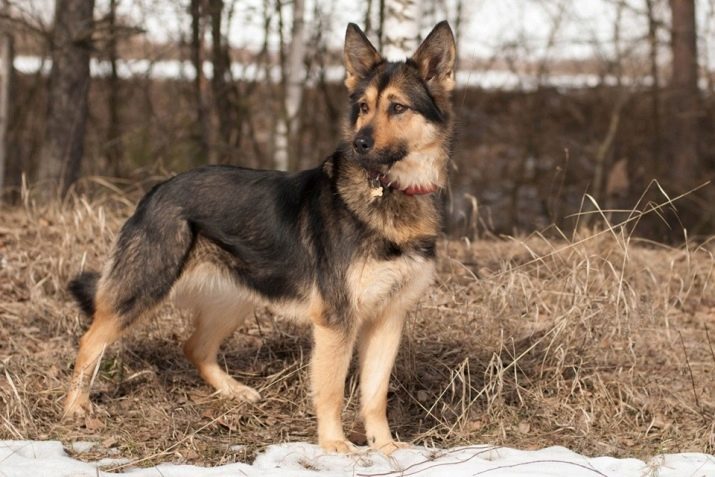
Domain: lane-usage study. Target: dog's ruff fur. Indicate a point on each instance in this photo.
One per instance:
(348, 245)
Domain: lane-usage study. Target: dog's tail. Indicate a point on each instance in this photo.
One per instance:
(83, 288)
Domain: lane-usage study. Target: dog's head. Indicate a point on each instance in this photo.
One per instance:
(400, 121)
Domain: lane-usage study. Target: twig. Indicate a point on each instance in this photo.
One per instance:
(690, 371)
(710, 343)
(543, 461)
(404, 472)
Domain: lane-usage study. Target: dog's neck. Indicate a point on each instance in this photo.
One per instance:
(401, 217)
(379, 181)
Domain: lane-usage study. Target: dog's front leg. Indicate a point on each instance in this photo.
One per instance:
(332, 351)
(379, 342)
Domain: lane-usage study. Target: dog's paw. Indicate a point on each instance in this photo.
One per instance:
(388, 447)
(341, 446)
(77, 406)
(240, 392)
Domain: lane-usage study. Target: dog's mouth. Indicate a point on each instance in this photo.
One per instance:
(378, 179)
(381, 158)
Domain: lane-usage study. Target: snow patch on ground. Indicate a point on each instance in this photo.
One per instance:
(48, 458)
(82, 446)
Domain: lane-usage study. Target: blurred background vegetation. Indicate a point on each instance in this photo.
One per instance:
(567, 111)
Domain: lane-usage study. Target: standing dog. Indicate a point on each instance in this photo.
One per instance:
(350, 244)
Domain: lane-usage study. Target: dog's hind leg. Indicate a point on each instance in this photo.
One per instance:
(218, 312)
(105, 329)
(148, 259)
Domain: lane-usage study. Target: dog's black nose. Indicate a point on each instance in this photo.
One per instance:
(363, 144)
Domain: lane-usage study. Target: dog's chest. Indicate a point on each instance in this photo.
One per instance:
(374, 283)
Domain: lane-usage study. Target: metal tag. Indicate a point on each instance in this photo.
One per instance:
(375, 187)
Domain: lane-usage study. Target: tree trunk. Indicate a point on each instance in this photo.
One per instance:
(401, 29)
(224, 96)
(458, 31)
(63, 145)
(381, 25)
(6, 55)
(685, 98)
(368, 18)
(655, 84)
(201, 131)
(288, 122)
(114, 136)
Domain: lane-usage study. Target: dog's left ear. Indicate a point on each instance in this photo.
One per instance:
(436, 55)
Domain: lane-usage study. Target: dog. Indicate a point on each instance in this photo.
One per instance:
(349, 245)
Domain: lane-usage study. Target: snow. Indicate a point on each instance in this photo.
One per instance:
(48, 458)
(174, 69)
(82, 446)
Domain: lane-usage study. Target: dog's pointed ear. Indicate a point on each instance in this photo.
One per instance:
(359, 56)
(436, 56)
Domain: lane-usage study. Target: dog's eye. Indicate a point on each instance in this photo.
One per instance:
(398, 108)
(364, 108)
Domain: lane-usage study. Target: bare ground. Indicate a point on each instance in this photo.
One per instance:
(597, 342)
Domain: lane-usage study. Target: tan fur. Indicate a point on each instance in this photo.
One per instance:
(426, 162)
(379, 341)
(351, 81)
(206, 274)
(373, 283)
(380, 293)
(421, 168)
(105, 330)
(332, 351)
(370, 98)
(219, 307)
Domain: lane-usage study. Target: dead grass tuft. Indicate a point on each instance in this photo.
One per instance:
(600, 343)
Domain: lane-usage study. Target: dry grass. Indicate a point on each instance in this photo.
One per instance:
(603, 345)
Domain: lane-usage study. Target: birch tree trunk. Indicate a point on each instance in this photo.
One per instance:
(685, 97)
(401, 28)
(6, 55)
(63, 146)
(288, 122)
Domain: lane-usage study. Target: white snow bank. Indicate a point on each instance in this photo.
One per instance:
(35, 459)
